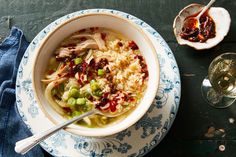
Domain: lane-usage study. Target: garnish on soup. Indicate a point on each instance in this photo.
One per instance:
(96, 67)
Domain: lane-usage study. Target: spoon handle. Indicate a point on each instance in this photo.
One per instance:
(23, 146)
(205, 8)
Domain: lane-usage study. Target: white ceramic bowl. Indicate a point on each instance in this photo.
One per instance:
(106, 20)
(220, 16)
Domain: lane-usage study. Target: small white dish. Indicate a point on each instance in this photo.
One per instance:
(220, 16)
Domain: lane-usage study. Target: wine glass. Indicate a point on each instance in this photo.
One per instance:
(219, 87)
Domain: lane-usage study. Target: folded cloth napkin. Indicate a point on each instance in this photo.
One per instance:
(12, 127)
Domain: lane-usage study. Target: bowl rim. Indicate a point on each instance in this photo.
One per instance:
(76, 131)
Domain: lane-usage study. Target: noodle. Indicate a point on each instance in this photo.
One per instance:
(96, 67)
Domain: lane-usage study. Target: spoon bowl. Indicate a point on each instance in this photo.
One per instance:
(196, 19)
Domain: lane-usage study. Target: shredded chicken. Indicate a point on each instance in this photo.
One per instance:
(77, 50)
(93, 41)
(87, 44)
(63, 52)
(61, 72)
(96, 36)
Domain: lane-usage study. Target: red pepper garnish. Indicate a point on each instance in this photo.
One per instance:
(82, 39)
(113, 105)
(103, 36)
(120, 44)
(93, 29)
(67, 109)
(133, 45)
(82, 30)
(50, 71)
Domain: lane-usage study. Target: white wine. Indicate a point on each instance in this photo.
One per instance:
(222, 75)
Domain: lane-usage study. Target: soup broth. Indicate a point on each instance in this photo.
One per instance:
(96, 67)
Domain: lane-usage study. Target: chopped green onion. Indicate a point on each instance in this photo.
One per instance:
(78, 60)
(84, 94)
(76, 113)
(71, 101)
(89, 105)
(84, 108)
(98, 93)
(94, 85)
(125, 104)
(101, 72)
(74, 92)
(61, 87)
(104, 120)
(87, 94)
(81, 101)
(54, 91)
(92, 81)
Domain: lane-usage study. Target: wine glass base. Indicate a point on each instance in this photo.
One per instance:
(212, 97)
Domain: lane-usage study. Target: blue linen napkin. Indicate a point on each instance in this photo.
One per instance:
(12, 127)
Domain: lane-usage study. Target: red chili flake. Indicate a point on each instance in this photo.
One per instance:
(143, 65)
(133, 45)
(125, 98)
(146, 74)
(72, 70)
(103, 62)
(91, 98)
(103, 102)
(82, 39)
(59, 59)
(120, 44)
(81, 67)
(105, 95)
(139, 57)
(112, 86)
(82, 30)
(67, 109)
(90, 73)
(50, 71)
(82, 77)
(93, 29)
(70, 48)
(71, 45)
(92, 64)
(103, 36)
(91, 70)
(107, 70)
(98, 107)
(113, 105)
(144, 70)
(131, 99)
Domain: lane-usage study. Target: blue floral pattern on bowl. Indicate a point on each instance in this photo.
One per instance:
(137, 140)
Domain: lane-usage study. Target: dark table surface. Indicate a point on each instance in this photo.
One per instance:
(187, 137)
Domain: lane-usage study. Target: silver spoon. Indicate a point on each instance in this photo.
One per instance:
(24, 145)
(197, 18)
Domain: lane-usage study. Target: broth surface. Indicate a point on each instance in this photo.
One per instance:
(96, 67)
